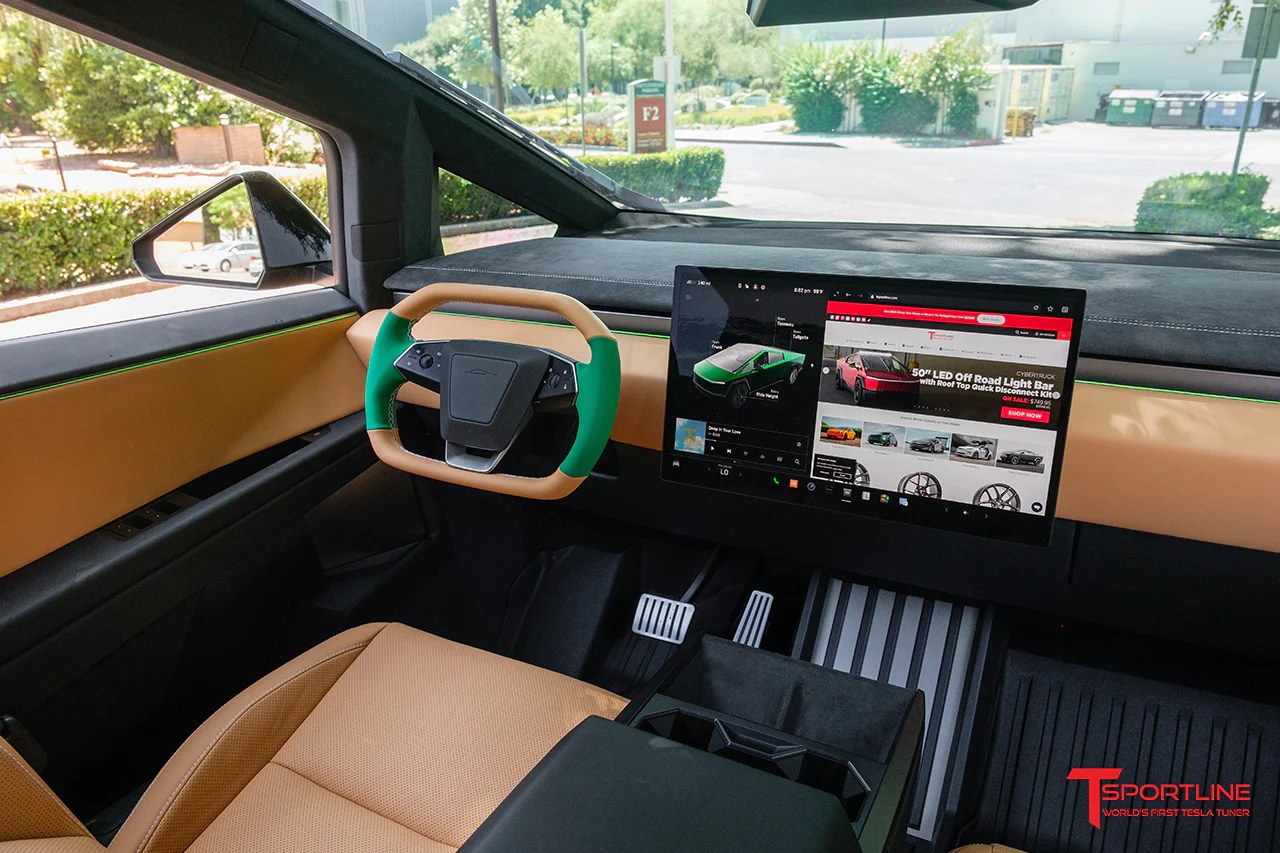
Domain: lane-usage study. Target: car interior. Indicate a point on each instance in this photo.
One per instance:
(488, 551)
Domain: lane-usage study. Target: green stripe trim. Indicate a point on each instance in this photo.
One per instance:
(1175, 391)
(1078, 381)
(546, 323)
(180, 355)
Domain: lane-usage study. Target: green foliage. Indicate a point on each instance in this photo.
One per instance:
(962, 114)
(55, 240)
(50, 241)
(26, 45)
(1208, 203)
(810, 89)
(949, 67)
(735, 116)
(888, 107)
(106, 99)
(685, 174)
(545, 61)
(456, 45)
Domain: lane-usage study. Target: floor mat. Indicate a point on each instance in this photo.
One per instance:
(1054, 716)
(914, 642)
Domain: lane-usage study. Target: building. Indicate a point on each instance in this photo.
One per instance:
(1110, 44)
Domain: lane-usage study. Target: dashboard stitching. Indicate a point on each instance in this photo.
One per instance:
(1186, 327)
(1225, 330)
(644, 281)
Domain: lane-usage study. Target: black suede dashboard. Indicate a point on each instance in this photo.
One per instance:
(1222, 313)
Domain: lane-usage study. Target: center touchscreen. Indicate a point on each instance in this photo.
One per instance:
(930, 402)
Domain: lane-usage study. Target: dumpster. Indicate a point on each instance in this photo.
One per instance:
(1178, 109)
(1226, 109)
(1271, 112)
(1131, 106)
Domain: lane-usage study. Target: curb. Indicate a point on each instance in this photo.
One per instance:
(31, 306)
(803, 143)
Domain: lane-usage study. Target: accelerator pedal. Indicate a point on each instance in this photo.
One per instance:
(662, 619)
(754, 619)
(667, 619)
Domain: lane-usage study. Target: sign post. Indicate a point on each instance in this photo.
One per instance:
(1261, 41)
(647, 108)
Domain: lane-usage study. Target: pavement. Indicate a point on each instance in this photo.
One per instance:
(1075, 175)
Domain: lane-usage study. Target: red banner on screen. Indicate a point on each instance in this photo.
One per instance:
(953, 316)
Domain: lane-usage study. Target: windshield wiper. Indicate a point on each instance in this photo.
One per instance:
(597, 180)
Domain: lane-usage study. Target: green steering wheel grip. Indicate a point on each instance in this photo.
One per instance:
(383, 380)
(599, 383)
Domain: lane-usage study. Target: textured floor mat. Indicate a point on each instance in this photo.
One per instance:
(915, 642)
(1054, 717)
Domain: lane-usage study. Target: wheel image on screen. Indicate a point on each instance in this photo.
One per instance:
(998, 496)
(861, 477)
(921, 484)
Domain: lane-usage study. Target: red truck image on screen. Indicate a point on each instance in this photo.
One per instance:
(876, 375)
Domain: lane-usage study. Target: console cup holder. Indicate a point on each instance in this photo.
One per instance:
(763, 750)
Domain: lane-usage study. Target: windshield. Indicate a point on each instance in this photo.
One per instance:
(734, 357)
(1081, 114)
(883, 363)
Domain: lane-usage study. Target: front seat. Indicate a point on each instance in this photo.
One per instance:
(381, 738)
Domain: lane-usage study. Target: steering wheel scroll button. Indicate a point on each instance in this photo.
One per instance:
(420, 364)
(559, 386)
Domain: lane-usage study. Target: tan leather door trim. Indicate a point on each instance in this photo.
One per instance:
(78, 455)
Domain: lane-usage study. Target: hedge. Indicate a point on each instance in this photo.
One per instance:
(50, 241)
(685, 174)
(1208, 203)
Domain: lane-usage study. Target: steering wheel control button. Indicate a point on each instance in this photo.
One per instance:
(420, 364)
(559, 387)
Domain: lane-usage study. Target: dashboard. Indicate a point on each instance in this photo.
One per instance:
(1164, 522)
(943, 404)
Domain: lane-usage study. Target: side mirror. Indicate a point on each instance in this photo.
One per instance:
(248, 230)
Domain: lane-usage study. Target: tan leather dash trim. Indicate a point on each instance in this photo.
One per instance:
(1177, 464)
(1162, 462)
(74, 457)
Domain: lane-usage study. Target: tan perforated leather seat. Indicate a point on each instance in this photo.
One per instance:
(383, 738)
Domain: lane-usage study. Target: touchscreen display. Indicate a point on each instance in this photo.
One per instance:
(938, 403)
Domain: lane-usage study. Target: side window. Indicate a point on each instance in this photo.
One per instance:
(472, 217)
(99, 145)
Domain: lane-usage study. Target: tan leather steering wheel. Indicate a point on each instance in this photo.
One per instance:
(492, 380)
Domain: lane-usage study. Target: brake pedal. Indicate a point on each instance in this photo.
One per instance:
(754, 619)
(661, 618)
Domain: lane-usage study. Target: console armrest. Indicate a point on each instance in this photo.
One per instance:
(611, 788)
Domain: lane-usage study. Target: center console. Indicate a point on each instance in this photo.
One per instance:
(730, 749)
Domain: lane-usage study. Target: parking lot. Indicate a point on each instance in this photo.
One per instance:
(1079, 175)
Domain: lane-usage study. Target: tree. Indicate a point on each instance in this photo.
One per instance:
(545, 57)
(456, 45)
(110, 100)
(636, 27)
(27, 46)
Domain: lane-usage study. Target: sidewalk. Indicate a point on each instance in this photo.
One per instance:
(781, 133)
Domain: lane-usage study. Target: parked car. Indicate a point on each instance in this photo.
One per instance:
(237, 254)
(933, 444)
(973, 451)
(877, 376)
(735, 371)
(883, 439)
(1021, 457)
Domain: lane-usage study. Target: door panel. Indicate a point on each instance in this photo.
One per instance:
(79, 454)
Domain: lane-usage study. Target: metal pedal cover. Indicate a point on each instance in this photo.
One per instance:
(662, 618)
(754, 619)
